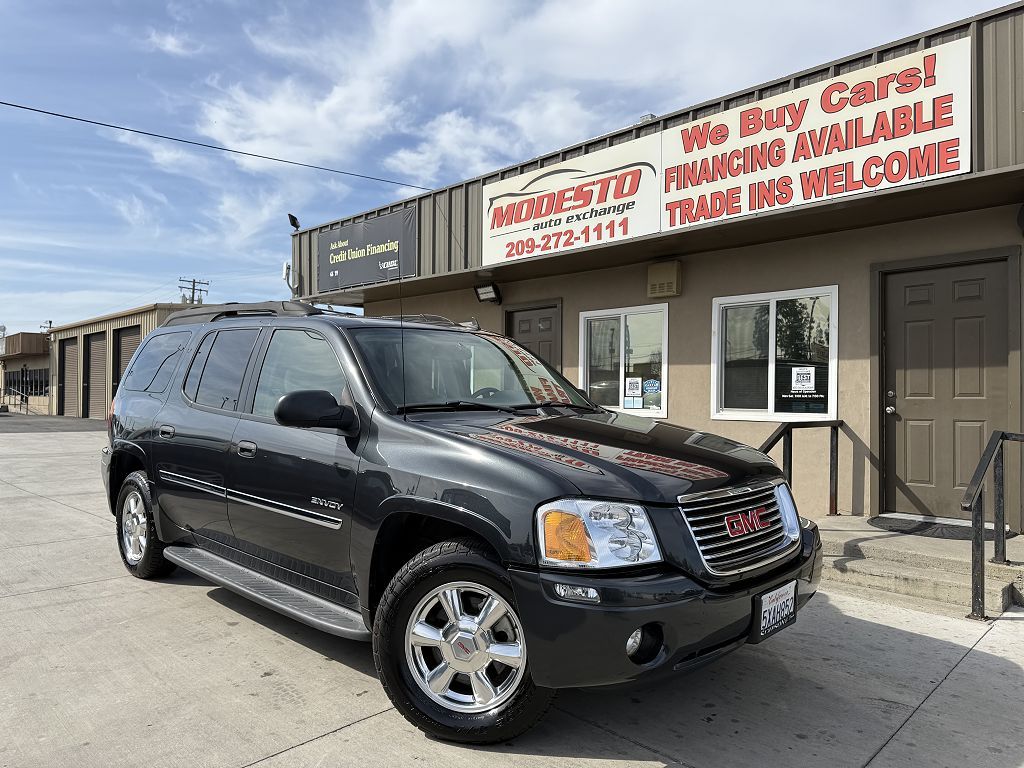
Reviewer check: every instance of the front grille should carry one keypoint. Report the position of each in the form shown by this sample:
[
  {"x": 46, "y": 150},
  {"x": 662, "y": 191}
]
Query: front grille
[{"x": 750, "y": 546}]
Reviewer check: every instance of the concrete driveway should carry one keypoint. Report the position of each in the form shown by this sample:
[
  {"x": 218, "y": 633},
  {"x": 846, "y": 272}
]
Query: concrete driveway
[{"x": 100, "y": 669}]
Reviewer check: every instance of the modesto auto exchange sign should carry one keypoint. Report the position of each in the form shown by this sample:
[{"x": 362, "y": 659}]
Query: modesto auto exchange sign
[{"x": 892, "y": 124}]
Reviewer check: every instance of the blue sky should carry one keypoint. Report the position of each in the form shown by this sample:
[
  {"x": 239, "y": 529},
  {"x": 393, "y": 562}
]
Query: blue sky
[{"x": 95, "y": 221}]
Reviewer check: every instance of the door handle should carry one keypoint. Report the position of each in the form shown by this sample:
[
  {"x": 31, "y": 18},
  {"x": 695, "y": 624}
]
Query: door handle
[
  {"x": 166, "y": 431},
  {"x": 890, "y": 409},
  {"x": 246, "y": 449}
]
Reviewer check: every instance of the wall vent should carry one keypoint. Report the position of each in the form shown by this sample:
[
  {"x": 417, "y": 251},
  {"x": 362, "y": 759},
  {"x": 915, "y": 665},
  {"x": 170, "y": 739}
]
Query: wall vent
[{"x": 664, "y": 279}]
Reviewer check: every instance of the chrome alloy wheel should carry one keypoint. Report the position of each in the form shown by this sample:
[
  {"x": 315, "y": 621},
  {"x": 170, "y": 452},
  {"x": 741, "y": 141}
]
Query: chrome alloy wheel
[
  {"x": 134, "y": 528},
  {"x": 465, "y": 647}
]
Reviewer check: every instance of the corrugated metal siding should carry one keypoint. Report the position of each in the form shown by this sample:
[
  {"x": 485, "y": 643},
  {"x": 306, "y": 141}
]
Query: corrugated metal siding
[
  {"x": 25, "y": 344},
  {"x": 442, "y": 222},
  {"x": 128, "y": 340},
  {"x": 146, "y": 319},
  {"x": 1002, "y": 94},
  {"x": 94, "y": 396},
  {"x": 472, "y": 244},
  {"x": 457, "y": 218},
  {"x": 425, "y": 215},
  {"x": 1000, "y": 136},
  {"x": 69, "y": 378}
]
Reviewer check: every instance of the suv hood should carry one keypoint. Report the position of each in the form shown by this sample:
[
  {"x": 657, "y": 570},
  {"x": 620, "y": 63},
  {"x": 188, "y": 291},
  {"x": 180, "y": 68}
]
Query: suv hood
[{"x": 615, "y": 455}]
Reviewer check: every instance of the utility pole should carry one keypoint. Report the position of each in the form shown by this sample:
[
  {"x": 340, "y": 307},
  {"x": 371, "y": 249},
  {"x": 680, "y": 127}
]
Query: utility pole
[
  {"x": 191, "y": 290},
  {"x": 47, "y": 326}
]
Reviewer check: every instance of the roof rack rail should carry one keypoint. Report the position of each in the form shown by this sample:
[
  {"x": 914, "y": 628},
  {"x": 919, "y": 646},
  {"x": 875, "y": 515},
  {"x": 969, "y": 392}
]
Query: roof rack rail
[
  {"x": 208, "y": 313},
  {"x": 428, "y": 319},
  {"x": 472, "y": 325}
]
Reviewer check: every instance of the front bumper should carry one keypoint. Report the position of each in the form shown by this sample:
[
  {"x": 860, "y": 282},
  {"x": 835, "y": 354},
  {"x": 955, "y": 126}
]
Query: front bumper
[{"x": 572, "y": 644}]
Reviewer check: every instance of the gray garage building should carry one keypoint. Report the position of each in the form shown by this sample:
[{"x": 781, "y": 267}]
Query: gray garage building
[
  {"x": 839, "y": 244},
  {"x": 88, "y": 358}
]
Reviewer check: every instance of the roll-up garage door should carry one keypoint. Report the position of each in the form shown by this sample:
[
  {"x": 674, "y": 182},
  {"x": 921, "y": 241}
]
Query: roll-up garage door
[
  {"x": 96, "y": 375},
  {"x": 68, "y": 377},
  {"x": 127, "y": 342}
]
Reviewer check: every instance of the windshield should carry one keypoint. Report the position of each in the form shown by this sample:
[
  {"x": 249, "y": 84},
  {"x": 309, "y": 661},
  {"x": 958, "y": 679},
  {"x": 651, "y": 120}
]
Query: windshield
[{"x": 445, "y": 367}]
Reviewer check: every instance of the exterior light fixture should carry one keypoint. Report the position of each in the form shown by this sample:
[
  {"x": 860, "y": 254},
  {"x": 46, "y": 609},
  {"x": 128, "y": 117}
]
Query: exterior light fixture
[{"x": 488, "y": 292}]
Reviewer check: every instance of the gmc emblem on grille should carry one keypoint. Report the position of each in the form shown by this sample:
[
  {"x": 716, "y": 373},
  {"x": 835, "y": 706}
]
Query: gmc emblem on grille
[{"x": 745, "y": 522}]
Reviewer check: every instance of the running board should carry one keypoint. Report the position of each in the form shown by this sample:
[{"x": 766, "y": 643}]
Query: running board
[{"x": 292, "y": 602}]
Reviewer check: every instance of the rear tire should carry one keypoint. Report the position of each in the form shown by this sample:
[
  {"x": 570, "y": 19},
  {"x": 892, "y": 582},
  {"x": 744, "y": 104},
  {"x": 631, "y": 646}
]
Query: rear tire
[
  {"x": 141, "y": 551},
  {"x": 419, "y": 597}
]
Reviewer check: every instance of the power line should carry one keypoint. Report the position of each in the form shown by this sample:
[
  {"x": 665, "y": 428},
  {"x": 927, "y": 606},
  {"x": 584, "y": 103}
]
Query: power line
[
  {"x": 217, "y": 147},
  {"x": 77, "y": 119}
]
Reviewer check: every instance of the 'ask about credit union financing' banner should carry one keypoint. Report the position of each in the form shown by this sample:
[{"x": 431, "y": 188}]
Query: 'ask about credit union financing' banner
[{"x": 892, "y": 124}]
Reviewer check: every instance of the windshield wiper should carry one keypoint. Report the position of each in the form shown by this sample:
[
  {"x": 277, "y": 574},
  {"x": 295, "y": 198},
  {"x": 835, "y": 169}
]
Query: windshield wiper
[
  {"x": 553, "y": 403},
  {"x": 454, "y": 405}
]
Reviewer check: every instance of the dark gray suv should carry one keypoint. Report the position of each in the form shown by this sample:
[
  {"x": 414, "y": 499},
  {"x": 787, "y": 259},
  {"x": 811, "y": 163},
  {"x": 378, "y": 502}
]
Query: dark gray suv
[{"x": 444, "y": 493}]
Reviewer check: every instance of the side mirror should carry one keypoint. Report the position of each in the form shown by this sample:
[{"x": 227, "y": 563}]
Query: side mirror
[{"x": 315, "y": 408}]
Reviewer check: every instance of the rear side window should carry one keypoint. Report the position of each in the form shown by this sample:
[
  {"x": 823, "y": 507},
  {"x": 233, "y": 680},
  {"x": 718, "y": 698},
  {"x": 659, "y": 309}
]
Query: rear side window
[
  {"x": 155, "y": 363},
  {"x": 215, "y": 377}
]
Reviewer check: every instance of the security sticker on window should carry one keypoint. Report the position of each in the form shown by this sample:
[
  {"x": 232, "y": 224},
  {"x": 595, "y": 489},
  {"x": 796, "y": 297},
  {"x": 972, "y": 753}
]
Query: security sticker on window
[
  {"x": 803, "y": 379},
  {"x": 634, "y": 386}
]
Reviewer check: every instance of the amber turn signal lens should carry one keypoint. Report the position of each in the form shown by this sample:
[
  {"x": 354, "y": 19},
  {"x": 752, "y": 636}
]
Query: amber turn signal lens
[{"x": 565, "y": 537}]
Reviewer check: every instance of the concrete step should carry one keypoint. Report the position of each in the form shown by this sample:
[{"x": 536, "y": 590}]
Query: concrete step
[
  {"x": 905, "y": 602},
  {"x": 33, "y": 410},
  {"x": 926, "y": 581},
  {"x": 912, "y": 552}
]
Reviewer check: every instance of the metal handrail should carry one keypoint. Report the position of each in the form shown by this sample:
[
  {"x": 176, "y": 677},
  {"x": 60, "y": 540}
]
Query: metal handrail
[
  {"x": 22, "y": 397},
  {"x": 784, "y": 432},
  {"x": 974, "y": 502}
]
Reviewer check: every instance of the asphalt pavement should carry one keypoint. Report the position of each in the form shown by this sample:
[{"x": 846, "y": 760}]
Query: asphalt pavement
[
  {"x": 13, "y": 423},
  {"x": 100, "y": 669}
]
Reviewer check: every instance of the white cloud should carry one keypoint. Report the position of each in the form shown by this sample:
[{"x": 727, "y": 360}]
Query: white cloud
[
  {"x": 169, "y": 157},
  {"x": 26, "y": 187},
  {"x": 172, "y": 43},
  {"x": 463, "y": 86},
  {"x": 149, "y": 192},
  {"x": 130, "y": 209},
  {"x": 451, "y": 138},
  {"x": 290, "y": 119}
]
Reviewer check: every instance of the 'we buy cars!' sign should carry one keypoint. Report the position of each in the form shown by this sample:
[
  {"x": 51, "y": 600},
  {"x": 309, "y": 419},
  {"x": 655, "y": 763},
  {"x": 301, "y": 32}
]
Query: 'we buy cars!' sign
[{"x": 900, "y": 122}]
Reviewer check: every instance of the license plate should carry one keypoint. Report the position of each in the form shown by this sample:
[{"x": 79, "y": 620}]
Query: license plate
[{"x": 773, "y": 611}]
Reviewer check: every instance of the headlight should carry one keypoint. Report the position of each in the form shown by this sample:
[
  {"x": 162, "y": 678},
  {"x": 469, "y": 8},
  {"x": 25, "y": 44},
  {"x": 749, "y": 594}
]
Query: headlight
[
  {"x": 580, "y": 533},
  {"x": 787, "y": 511}
]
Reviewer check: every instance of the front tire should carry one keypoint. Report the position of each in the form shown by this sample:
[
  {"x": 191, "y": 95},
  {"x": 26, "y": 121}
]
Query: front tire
[
  {"x": 141, "y": 551},
  {"x": 450, "y": 650}
]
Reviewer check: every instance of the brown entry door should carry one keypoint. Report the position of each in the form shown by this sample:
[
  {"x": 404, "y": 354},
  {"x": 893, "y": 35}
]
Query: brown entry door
[
  {"x": 539, "y": 330},
  {"x": 945, "y": 386}
]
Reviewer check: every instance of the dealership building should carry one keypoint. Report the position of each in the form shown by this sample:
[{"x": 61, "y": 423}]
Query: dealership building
[{"x": 843, "y": 243}]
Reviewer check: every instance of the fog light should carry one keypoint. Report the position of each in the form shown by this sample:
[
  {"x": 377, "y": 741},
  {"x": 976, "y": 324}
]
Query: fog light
[
  {"x": 572, "y": 592},
  {"x": 633, "y": 643},
  {"x": 646, "y": 644}
]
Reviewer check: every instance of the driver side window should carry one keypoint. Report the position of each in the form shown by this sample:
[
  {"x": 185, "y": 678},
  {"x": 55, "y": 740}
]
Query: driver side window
[{"x": 298, "y": 359}]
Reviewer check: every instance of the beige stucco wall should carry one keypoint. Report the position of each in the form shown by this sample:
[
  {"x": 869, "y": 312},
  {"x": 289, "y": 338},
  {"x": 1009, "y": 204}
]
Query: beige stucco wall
[{"x": 843, "y": 258}]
